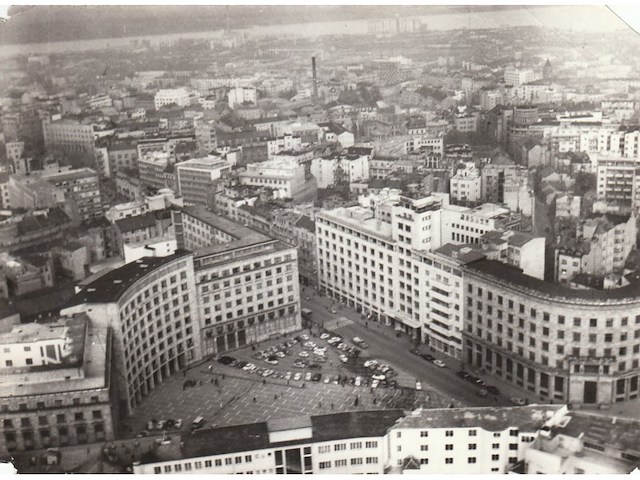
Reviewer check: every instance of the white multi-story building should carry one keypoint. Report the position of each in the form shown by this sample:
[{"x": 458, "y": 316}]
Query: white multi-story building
[
  {"x": 618, "y": 184},
  {"x": 518, "y": 76},
  {"x": 69, "y": 135},
  {"x": 339, "y": 168},
  {"x": 285, "y": 175},
  {"x": 467, "y": 440},
  {"x": 195, "y": 177},
  {"x": 171, "y": 96},
  {"x": 240, "y": 96},
  {"x": 466, "y": 184},
  {"x": 284, "y": 143}
]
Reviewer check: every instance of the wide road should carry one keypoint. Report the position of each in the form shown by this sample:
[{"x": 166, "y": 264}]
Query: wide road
[{"x": 384, "y": 345}]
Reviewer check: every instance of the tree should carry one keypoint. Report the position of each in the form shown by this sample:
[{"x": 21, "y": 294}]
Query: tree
[{"x": 584, "y": 182}]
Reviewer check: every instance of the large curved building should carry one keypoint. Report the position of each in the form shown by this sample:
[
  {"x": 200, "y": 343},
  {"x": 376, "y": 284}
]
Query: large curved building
[
  {"x": 561, "y": 344},
  {"x": 151, "y": 306}
]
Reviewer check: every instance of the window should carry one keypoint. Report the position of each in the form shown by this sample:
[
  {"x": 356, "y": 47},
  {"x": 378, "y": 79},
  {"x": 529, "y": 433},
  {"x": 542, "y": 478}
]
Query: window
[
  {"x": 356, "y": 461},
  {"x": 513, "y": 446},
  {"x": 448, "y": 433},
  {"x": 178, "y": 467},
  {"x": 372, "y": 460},
  {"x": 495, "y": 457},
  {"x": 371, "y": 444},
  {"x": 157, "y": 470},
  {"x": 472, "y": 446},
  {"x": 424, "y": 448},
  {"x": 472, "y": 433},
  {"x": 471, "y": 460},
  {"x": 341, "y": 463},
  {"x": 424, "y": 433},
  {"x": 448, "y": 461},
  {"x": 207, "y": 463},
  {"x": 448, "y": 446},
  {"x": 324, "y": 449},
  {"x": 324, "y": 465},
  {"x": 339, "y": 446}
]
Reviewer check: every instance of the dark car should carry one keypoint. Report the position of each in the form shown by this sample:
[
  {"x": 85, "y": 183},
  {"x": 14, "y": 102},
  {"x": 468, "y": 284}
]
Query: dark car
[
  {"x": 316, "y": 377},
  {"x": 315, "y": 366},
  {"x": 393, "y": 384},
  {"x": 492, "y": 389},
  {"x": 463, "y": 374},
  {"x": 169, "y": 424},
  {"x": 226, "y": 360},
  {"x": 427, "y": 357},
  {"x": 480, "y": 382},
  {"x": 472, "y": 378}
]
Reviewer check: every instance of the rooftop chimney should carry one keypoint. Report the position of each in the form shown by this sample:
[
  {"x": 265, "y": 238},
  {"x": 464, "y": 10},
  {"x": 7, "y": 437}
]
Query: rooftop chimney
[{"x": 315, "y": 80}]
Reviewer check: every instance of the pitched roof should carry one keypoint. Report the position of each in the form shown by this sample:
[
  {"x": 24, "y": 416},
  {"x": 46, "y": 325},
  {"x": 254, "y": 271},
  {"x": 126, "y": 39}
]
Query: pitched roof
[{"x": 139, "y": 222}]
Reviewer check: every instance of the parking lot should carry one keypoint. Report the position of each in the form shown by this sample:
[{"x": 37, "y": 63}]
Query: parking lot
[{"x": 248, "y": 386}]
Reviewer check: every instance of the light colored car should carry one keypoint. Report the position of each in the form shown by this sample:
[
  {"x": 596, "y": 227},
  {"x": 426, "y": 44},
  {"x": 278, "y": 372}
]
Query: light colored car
[
  {"x": 304, "y": 336},
  {"x": 518, "y": 401},
  {"x": 150, "y": 425},
  {"x": 332, "y": 310},
  {"x": 369, "y": 363},
  {"x": 358, "y": 381},
  {"x": 327, "y": 379},
  {"x": 439, "y": 363},
  {"x": 178, "y": 424},
  {"x": 297, "y": 376},
  {"x": 374, "y": 384},
  {"x": 378, "y": 377},
  {"x": 271, "y": 362},
  {"x": 343, "y": 358},
  {"x": 324, "y": 336},
  {"x": 418, "y": 385},
  {"x": 320, "y": 349},
  {"x": 303, "y": 354},
  {"x": 307, "y": 377},
  {"x": 280, "y": 354},
  {"x": 318, "y": 352},
  {"x": 160, "y": 424}
]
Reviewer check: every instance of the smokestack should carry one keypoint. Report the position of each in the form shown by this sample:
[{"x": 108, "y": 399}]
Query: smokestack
[{"x": 315, "y": 80}]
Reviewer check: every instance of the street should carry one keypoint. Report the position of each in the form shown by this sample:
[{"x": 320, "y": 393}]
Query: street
[{"x": 384, "y": 345}]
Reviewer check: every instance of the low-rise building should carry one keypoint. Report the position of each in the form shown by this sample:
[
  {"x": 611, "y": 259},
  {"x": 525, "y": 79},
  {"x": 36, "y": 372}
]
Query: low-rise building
[
  {"x": 56, "y": 385},
  {"x": 171, "y": 96},
  {"x": 285, "y": 176},
  {"x": 195, "y": 178},
  {"x": 81, "y": 189},
  {"x": 465, "y": 185}
]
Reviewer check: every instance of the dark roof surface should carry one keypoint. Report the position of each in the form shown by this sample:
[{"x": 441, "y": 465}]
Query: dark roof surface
[
  {"x": 111, "y": 286},
  {"x": 130, "y": 224},
  {"x": 512, "y": 275}
]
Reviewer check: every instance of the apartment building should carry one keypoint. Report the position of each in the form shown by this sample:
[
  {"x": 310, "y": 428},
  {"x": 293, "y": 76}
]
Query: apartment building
[
  {"x": 56, "y": 380},
  {"x": 487, "y": 440},
  {"x": 465, "y": 185},
  {"x": 617, "y": 184},
  {"x": 195, "y": 178},
  {"x": 171, "y": 96},
  {"x": 156, "y": 170},
  {"x": 284, "y": 143},
  {"x": 561, "y": 344},
  {"x": 468, "y": 225},
  {"x": 151, "y": 306},
  {"x": 33, "y": 193},
  {"x": 519, "y": 249},
  {"x": 285, "y": 176},
  {"x": 81, "y": 189},
  {"x": 69, "y": 135},
  {"x": 340, "y": 443},
  {"x": 246, "y": 282},
  {"x": 338, "y": 168},
  {"x": 601, "y": 247},
  {"x": 5, "y": 197},
  {"x": 241, "y": 96},
  {"x": 518, "y": 76}
]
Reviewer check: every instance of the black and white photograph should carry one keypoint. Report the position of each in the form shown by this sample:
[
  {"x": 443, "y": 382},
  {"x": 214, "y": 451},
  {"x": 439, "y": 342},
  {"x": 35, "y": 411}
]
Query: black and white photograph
[{"x": 319, "y": 239}]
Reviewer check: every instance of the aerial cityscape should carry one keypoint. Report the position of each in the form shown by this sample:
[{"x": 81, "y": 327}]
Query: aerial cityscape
[{"x": 319, "y": 240}]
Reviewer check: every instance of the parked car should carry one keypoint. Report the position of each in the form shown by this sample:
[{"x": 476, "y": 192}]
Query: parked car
[
  {"x": 271, "y": 361},
  {"x": 378, "y": 377},
  {"x": 151, "y": 425},
  {"x": 297, "y": 376},
  {"x": 518, "y": 401},
  {"x": 493, "y": 389},
  {"x": 439, "y": 363},
  {"x": 343, "y": 358},
  {"x": 358, "y": 381},
  {"x": 304, "y": 337},
  {"x": 361, "y": 343},
  {"x": 316, "y": 377},
  {"x": 324, "y": 336},
  {"x": 418, "y": 385},
  {"x": 160, "y": 424},
  {"x": 178, "y": 424},
  {"x": 303, "y": 354},
  {"x": 287, "y": 376},
  {"x": 315, "y": 366},
  {"x": 374, "y": 383},
  {"x": 462, "y": 374},
  {"x": 307, "y": 377},
  {"x": 427, "y": 357},
  {"x": 332, "y": 310},
  {"x": 327, "y": 379}
]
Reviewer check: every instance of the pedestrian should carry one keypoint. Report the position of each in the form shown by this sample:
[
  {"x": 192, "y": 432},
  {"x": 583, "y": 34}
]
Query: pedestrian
[
  {"x": 210, "y": 367},
  {"x": 264, "y": 382},
  {"x": 216, "y": 382},
  {"x": 332, "y": 406},
  {"x": 287, "y": 382},
  {"x": 275, "y": 397},
  {"x": 356, "y": 402},
  {"x": 319, "y": 404},
  {"x": 254, "y": 399}
]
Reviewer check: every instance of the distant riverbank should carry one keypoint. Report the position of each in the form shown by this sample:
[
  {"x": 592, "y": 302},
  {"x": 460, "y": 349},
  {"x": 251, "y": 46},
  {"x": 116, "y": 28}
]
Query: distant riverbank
[{"x": 583, "y": 18}]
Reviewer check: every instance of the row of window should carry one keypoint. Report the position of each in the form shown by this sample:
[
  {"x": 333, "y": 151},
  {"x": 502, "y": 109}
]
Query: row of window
[
  {"x": 198, "y": 465},
  {"x": 352, "y": 461}
]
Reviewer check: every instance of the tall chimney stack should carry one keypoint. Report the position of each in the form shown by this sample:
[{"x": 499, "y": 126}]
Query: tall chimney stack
[{"x": 315, "y": 80}]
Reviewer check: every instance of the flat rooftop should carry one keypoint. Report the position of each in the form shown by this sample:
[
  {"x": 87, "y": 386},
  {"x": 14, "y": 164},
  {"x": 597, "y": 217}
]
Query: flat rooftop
[
  {"x": 608, "y": 431},
  {"x": 510, "y": 275},
  {"x": 493, "y": 419},
  {"x": 255, "y": 436},
  {"x": 91, "y": 340},
  {"x": 206, "y": 163},
  {"x": 112, "y": 285},
  {"x": 243, "y": 236},
  {"x": 360, "y": 219},
  {"x": 71, "y": 174},
  {"x": 461, "y": 253}
]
